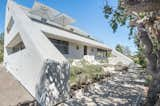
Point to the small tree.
(144, 18)
(1, 46)
(139, 56)
(123, 49)
(127, 51)
(119, 48)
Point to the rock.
(119, 89)
(121, 68)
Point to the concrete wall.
(117, 58)
(92, 51)
(75, 53)
(31, 65)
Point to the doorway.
(85, 50)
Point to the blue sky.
(88, 15)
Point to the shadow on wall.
(53, 86)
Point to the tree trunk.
(153, 92)
(153, 60)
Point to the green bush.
(104, 61)
(1, 46)
(86, 71)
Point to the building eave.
(69, 35)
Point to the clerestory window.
(62, 46)
(15, 45)
(10, 25)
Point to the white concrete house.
(72, 42)
(38, 42)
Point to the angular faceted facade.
(34, 61)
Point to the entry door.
(85, 50)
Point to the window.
(72, 29)
(77, 47)
(62, 46)
(85, 50)
(10, 25)
(18, 47)
(101, 53)
(15, 45)
(43, 20)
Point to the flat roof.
(60, 21)
(51, 14)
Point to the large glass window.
(10, 25)
(62, 46)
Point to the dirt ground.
(11, 91)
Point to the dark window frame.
(43, 20)
(101, 52)
(62, 46)
(18, 47)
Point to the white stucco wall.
(26, 65)
(75, 53)
(117, 57)
(90, 52)
(79, 54)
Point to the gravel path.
(122, 89)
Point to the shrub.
(104, 61)
(1, 46)
(70, 61)
(88, 72)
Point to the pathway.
(122, 89)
